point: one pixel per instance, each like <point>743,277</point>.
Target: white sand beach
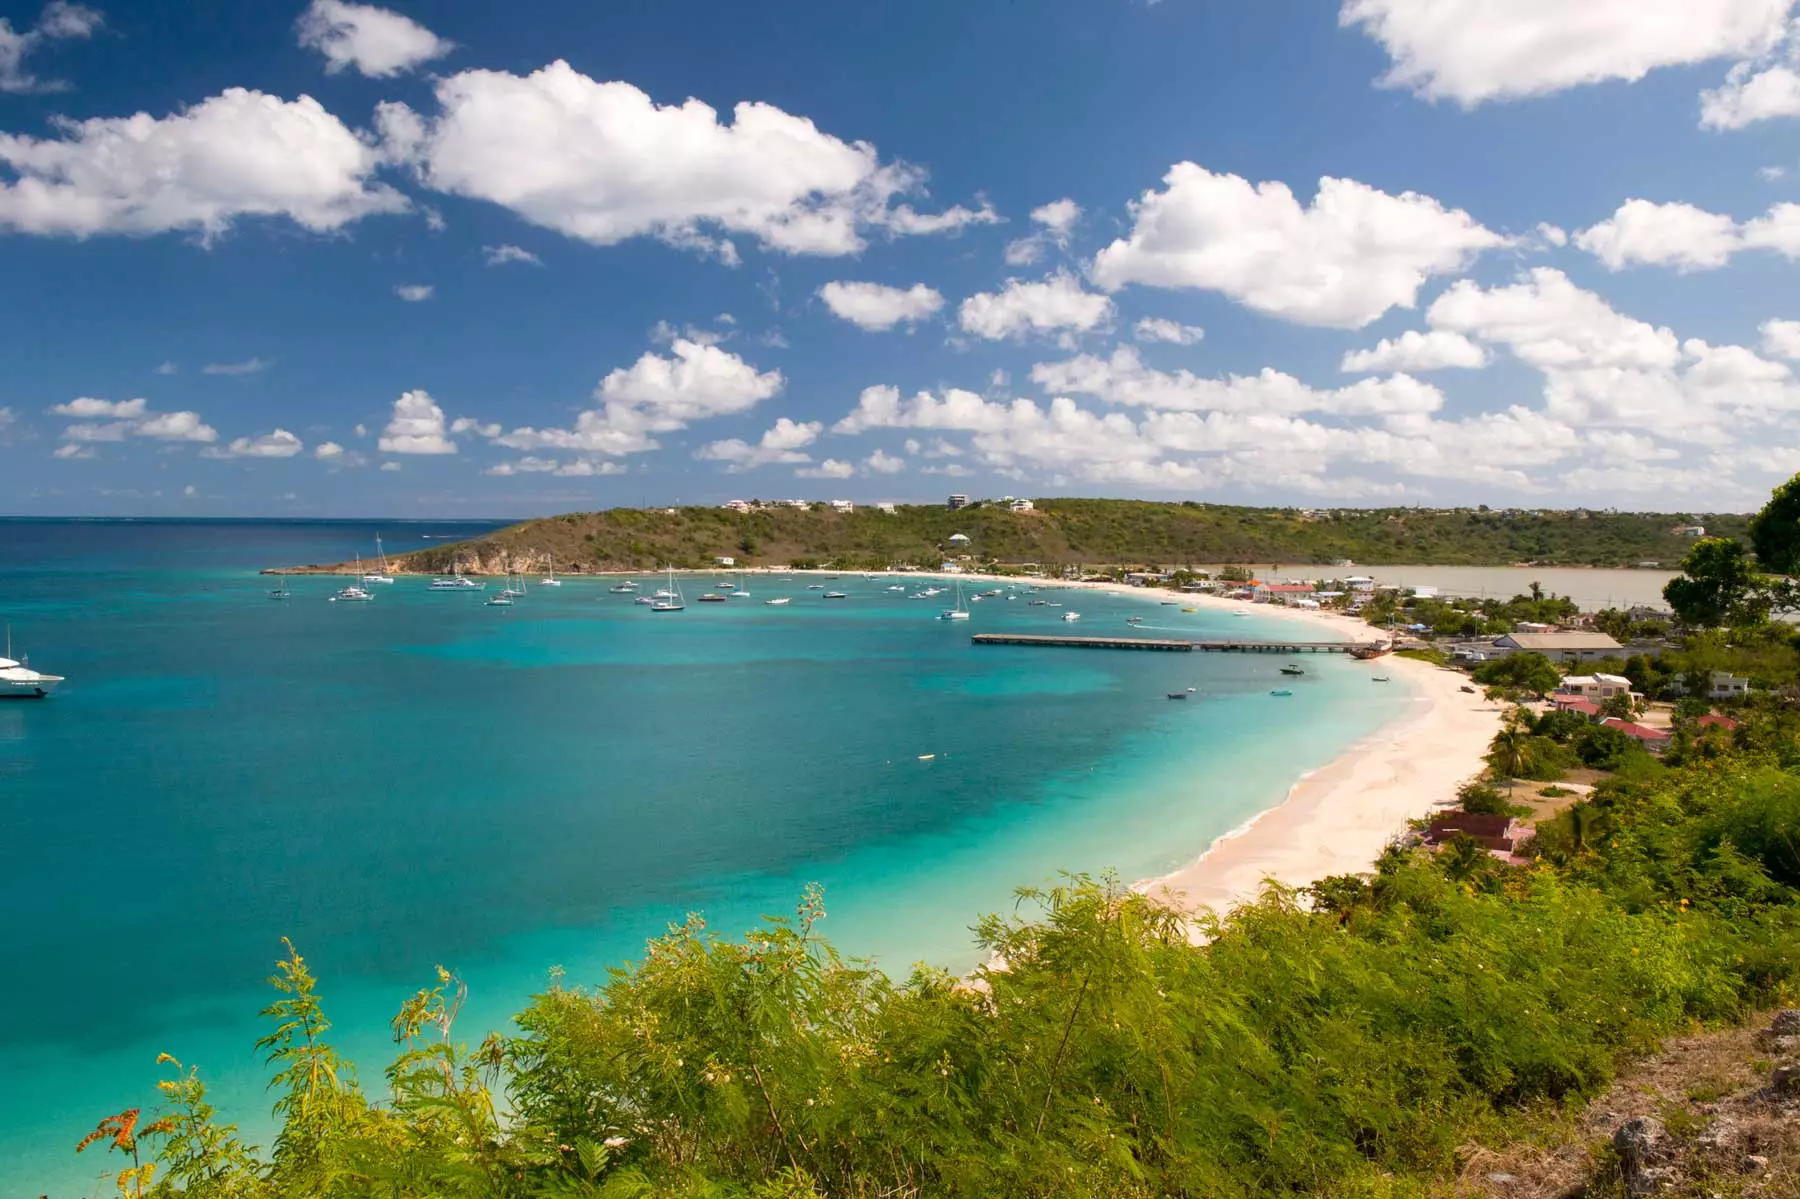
<point>1338,819</point>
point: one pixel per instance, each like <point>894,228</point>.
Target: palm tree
<point>1464,857</point>
<point>1511,751</point>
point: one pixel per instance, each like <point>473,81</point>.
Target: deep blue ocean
<point>424,779</point>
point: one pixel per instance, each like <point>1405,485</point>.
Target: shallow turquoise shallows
<point>425,779</point>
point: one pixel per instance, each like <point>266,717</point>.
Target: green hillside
<point>1073,532</point>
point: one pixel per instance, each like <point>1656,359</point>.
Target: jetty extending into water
<point>1175,646</point>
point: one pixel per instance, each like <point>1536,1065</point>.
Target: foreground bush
<point>1342,1042</point>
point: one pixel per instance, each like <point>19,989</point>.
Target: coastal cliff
<point>1061,532</point>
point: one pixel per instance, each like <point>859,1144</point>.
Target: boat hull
<point>38,688</point>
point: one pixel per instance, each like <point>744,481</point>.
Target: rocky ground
<point>1712,1116</point>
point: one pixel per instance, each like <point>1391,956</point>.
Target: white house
<point>1724,685</point>
<point>1596,687</point>
<point>1562,647</point>
<point>736,505</point>
<point>1689,530</point>
<point>957,501</point>
<point>1022,506</point>
<point>887,508</point>
<point>842,506</point>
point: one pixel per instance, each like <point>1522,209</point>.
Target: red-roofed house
<point>1654,740</point>
<point>1576,704</point>
<point>1715,721</point>
<point>1284,593</point>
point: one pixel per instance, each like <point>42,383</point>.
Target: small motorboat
<point>1178,695</point>
<point>1283,691</point>
<point>1037,603</point>
<point>815,586</point>
<point>836,595</point>
<point>776,603</point>
<point>1380,678</point>
<point>1291,669</point>
<point>623,589</point>
<point>643,599</point>
<point>502,600</point>
<point>1071,616</point>
<point>1190,609</point>
<point>710,598</point>
<point>1171,603</point>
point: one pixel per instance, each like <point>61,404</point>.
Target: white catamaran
<point>550,580</point>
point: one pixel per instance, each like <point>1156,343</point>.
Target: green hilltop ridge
<point>1061,532</point>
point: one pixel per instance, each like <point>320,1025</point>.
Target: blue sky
<point>450,258</point>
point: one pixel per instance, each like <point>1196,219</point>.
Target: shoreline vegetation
<point>1058,533</point>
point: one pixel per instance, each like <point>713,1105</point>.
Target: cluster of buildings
<point>772,505</point>
<point>954,503</point>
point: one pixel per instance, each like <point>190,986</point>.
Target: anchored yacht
<point>19,681</point>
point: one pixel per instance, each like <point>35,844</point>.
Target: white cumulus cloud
<point>414,293</point>
<point>1056,221</point>
<point>116,420</point>
<point>876,307</point>
<point>378,42</point>
<point>1044,306</point>
<point>1344,260</point>
<point>1415,351</point>
<point>503,254</point>
<point>59,21</point>
<point>417,427</point>
<point>603,162</point>
<point>238,154</point>
<point>1157,328</point>
<point>785,442</point>
<point>278,444</point>
<point>249,366</point>
<point>654,395</point>
<point>1781,338</point>
<point>831,468</point>
<point>1677,235</point>
<point>1471,51</point>
<point>326,451</point>
<point>1750,95</point>
<point>881,463</point>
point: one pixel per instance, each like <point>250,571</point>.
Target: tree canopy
<point>1775,531</point>
<point>1719,586</point>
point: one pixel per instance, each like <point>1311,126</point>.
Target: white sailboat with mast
<point>960,611</point>
<point>669,599</point>
<point>550,579</point>
<point>380,575</point>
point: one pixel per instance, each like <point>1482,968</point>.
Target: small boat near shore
<point>351,595</point>
<point>1281,692</point>
<point>1291,669</point>
<point>776,603</point>
<point>1071,616</point>
<point>629,588</point>
<point>1380,678</point>
<point>836,595</point>
<point>710,598</point>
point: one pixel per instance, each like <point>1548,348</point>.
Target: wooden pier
<point>1167,646</point>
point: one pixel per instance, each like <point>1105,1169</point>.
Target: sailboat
<point>740,593</point>
<point>550,580</point>
<point>960,611</point>
<point>281,591</point>
<point>19,681</point>
<point>670,598</point>
<point>382,575</point>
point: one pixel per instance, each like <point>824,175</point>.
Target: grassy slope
<point>1066,532</point>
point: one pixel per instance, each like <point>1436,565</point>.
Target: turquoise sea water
<point>424,779</point>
